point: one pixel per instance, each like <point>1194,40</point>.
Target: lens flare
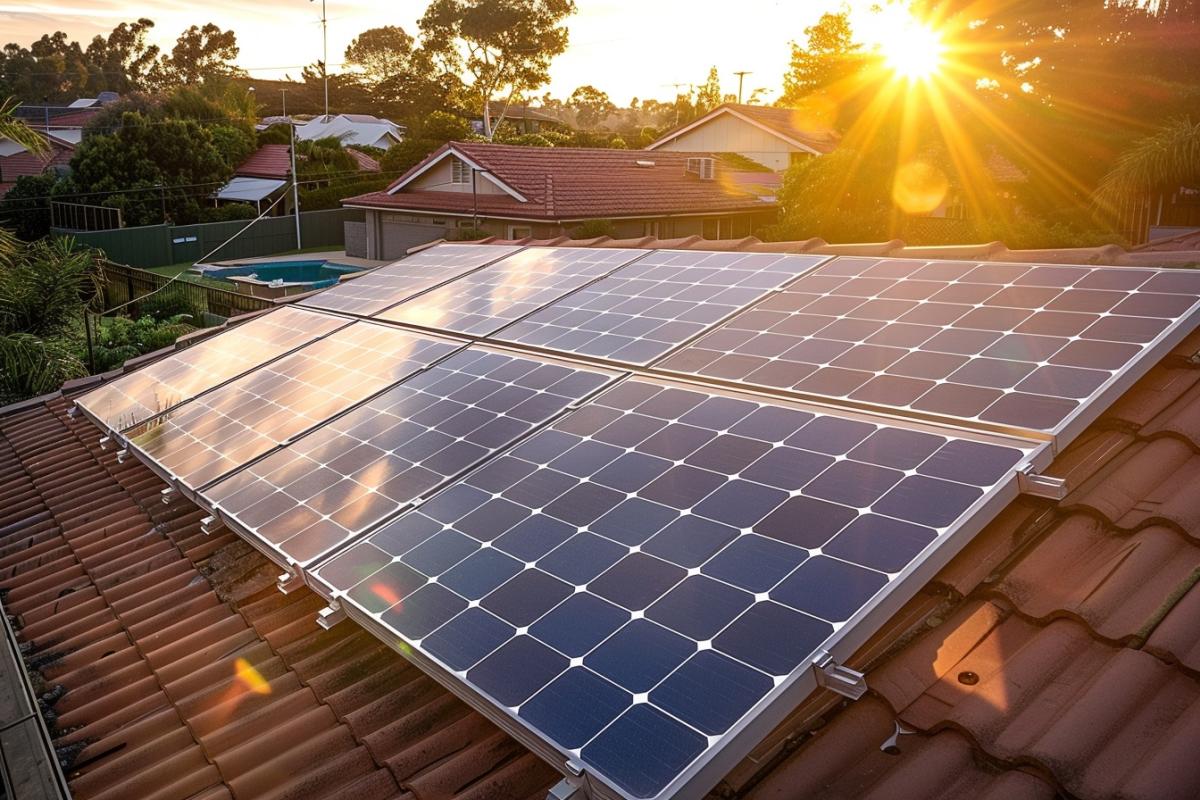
<point>919,188</point>
<point>249,677</point>
<point>913,51</point>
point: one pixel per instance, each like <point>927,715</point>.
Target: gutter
<point>29,764</point>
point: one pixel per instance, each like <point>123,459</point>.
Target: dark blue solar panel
<point>638,576</point>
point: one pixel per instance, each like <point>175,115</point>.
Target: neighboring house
<point>774,137</point>
<point>524,118</point>
<point>351,129</point>
<point>260,179</point>
<point>66,122</point>
<point>518,192</point>
<point>16,161</point>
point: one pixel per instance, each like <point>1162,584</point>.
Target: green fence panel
<point>161,245</point>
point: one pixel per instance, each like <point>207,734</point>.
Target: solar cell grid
<point>631,581</point>
<point>647,308</point>
<point>333,484</point>
<point>484,301</point>
<point>376,290</point>
<point>1015,345</point>
<point>220,431</point>
<point>158,387</point>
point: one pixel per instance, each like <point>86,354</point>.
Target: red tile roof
<point>365,162</point>
<point>786,122</point>
<point>26,163</point>
<point>570,183</point>
<point>269,161</point>
<point>1058,654</point>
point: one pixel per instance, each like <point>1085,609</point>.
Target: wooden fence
<point>123,283</point>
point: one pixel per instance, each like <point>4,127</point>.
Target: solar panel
<point>179,377</point>
<point>345,477</point>
<point>651,575</point>
<point>208,437</point>
<point>1014,345</point>
<point>649,307</point>
<point>376,290</point>
<point>484,301</point>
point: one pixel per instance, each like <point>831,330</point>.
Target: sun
<point>912,50</point>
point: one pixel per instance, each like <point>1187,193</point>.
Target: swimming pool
<point>308,274</point>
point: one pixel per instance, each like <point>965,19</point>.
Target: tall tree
<point>828,57</point>
<point>505,46</point>
<point>708,96</point>
<point>590,105</point>
<point>123,61</point>
<point>201,54</point>
<point>381,53</point>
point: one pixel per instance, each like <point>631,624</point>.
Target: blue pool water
<point>315,273</point>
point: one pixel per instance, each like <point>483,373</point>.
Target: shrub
<point>593,228</point>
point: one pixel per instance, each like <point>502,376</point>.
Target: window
<point>460,171</point>
<point>520,232</point>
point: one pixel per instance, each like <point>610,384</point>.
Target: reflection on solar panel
<point>654,568</point>
<point>182,375</point>
<point>660,301</point>
<point>1010,344</point>
<point>386,286</point>
<point>483,301</point>
<point>347,476</point>
<point>220,431</point>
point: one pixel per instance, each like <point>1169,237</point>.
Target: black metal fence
<point>123,284</point>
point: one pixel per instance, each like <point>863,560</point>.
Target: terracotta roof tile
<point>268,161</point>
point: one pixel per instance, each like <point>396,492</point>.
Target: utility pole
<point>324,55</point>
<point>284,92</point>
<point>741,76</point>
<point>295,185</point>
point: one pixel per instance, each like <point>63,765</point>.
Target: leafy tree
<point>201,54</point>
<point>591,106</point>
<point>124,61</point>
<point>381,53</point>
<point>26,207</point>
<point>829,57</point>
<point>838,197</point>
<point>708,96</point>
<point>504,45</point>
<point>44,288</point>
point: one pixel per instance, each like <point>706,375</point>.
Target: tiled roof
<point>365,162</point>
<point>27,163</point>
<point>571,183</point>
<point>268,161</point>
<point>786,122</point>
<point>1183,241</point>
<point>1057,655</point>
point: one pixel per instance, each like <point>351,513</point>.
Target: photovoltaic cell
<point>376,290</point>
<point>634,580</point>
<point>1016,345</point>
<point>208,437</point>
<point>484,301</point>
<point>335,483</point>
<point>164,384</point>
<point>649,307</point>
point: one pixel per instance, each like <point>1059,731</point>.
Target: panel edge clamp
<point>167,494</point>
<point>210,525</point>
<point>122,454</point>
<point>288,583</point>
<point>838,677</point>
<point>104,440</point>
<point>331,615</point>
<point>1033,483</point>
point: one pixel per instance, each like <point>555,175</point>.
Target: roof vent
<point>643,163</point>
<point>705,168</point>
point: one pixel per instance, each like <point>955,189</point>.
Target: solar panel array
<point>630,572</point>
<point>347,476</point>
<point>374,291</point>
<point>649,307</point>
<point>483,301</point>
<point>226,428</point>
<point>1012,344</point>
<point>632,581</point>
<point>179,377</point>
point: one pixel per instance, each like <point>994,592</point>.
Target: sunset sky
<point>624,47</point>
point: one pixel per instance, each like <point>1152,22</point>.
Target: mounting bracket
<point>122,454</point>
<point>288,583</point>
<point>72,411</point>
<point>331,615</point>
<point>570,788</point>
<point>1034,483</point>
<point>838,678</point>
<point>167,494</point>
<point>104,440</point>
<point>210,525</point>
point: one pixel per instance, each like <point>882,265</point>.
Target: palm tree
<point>16,129</point>
<point>1163,161</point>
